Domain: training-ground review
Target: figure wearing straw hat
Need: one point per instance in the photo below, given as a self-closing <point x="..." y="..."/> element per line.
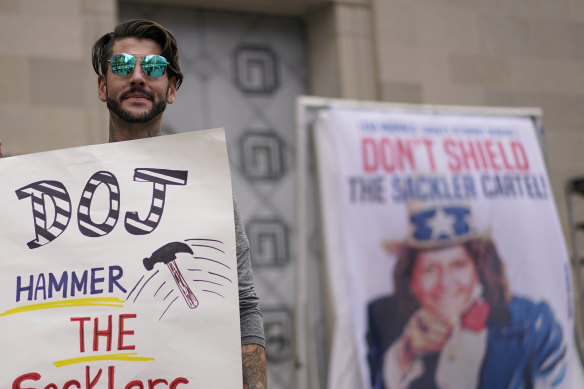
<point x="452" y="322"/>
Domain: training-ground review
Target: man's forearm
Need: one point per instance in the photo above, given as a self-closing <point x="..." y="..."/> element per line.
<point x="254" y="367"/>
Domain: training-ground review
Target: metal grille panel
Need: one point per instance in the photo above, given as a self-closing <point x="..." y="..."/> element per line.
<point x="243" y="72"/>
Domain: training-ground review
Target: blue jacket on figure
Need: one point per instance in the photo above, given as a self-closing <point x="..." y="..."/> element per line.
<point x="523" y="348"/>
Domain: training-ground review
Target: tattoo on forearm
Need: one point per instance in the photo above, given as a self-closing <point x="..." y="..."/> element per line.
<point x="254" y="367"/>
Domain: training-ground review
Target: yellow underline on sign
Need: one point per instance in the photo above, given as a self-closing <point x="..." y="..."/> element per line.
<point x="85" y="302"/>
<point x="131" y="357"/>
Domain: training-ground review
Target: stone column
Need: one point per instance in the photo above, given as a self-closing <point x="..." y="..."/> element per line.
<point x="48" y="91"/>
<point x="341" y="50"/>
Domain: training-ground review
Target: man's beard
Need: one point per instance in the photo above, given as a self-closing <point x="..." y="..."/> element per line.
<point x="115" y="107"/>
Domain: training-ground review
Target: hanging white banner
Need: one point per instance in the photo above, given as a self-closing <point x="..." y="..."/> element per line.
<point x="119" y="267"/>
<point x="452" y="271"/>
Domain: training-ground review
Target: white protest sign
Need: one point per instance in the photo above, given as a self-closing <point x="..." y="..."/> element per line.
<point x="118" y="267"/>
<point x="452" y="264"/>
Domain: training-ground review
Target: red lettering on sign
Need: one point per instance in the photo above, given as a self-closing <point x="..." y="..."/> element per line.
<point x="122" y="332"/>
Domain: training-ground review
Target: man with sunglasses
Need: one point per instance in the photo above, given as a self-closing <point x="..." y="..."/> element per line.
<point x="138" y="74"/>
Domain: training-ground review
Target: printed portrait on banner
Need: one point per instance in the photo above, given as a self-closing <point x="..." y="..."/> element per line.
<point x="452" y="321"/>
<point x="456" y="270"/>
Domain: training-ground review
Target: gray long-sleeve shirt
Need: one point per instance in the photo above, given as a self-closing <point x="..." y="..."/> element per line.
<point x="251" y="324"/>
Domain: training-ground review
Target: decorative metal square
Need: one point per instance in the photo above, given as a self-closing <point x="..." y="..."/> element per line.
<point x="278" y="332"/>
<point x="262" y="156"/>
<point x="268" y="242"/>
<point x="256" y="69"/>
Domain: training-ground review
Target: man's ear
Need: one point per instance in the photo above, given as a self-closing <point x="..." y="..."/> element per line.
<point x="102" y="88"/>
<point x="171" y="93"/>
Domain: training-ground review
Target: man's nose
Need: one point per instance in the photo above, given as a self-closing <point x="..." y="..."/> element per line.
<point x="137" y="77"/>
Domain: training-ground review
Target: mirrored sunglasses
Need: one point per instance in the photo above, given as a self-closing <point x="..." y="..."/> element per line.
<point x="122" y="64"/>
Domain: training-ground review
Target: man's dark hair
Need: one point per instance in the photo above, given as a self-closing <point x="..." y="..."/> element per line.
<point x="140" y="29"/>
<point x="490" y="269"/>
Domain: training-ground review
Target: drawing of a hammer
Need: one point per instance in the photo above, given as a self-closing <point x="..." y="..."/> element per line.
<point x="167" y="254"/>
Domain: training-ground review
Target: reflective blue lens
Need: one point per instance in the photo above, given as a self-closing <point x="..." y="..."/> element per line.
<point x="123" y="64"/>
<point x="154" y="65"/>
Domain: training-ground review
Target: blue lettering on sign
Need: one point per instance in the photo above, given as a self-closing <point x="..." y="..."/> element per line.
<point x="69" y="284"/>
